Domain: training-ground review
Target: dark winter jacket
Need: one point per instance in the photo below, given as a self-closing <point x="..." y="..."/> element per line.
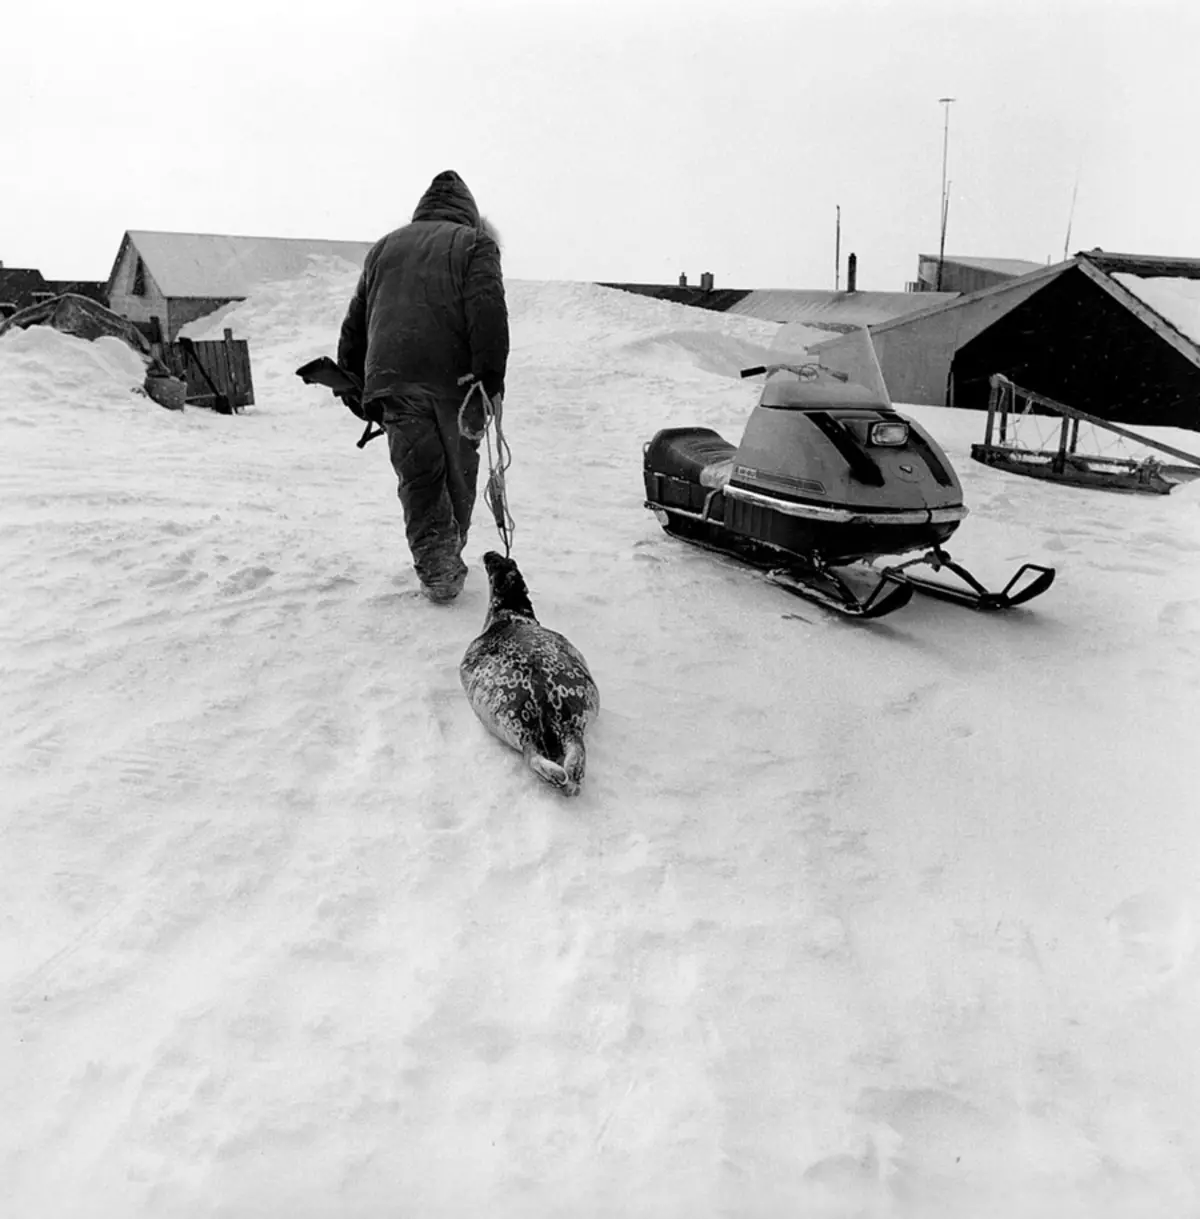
<point x="429" y="306"/>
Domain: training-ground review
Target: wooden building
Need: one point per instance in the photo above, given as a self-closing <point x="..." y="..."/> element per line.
<point x="966" y="274"/>
<point x="178" y="277"/>
<point x="1117" y="335"/>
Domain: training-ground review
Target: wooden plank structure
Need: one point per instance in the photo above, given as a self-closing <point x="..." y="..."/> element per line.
<point x="217" y="371"/>
<point x="1065" y="463"/>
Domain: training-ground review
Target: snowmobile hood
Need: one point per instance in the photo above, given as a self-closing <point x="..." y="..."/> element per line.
<point x="824" y="434"/>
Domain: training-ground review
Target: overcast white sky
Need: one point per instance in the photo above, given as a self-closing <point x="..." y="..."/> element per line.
<point x="605" y="139"/>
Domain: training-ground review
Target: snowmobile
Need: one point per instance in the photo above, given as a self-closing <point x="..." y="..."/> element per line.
<point x="832" y="494"/>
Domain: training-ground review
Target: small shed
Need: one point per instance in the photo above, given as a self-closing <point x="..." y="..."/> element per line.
<point x="964" y="273"/>
<point x="178" y="277"/>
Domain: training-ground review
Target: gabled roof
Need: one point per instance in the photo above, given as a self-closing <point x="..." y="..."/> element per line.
<point x="1147" y="265"/>
<point x="1003" y="266"/>
<point x="835" y="309"/>
<point x="1168" y="318"/>
<point x="215" y="265"/>
<point x="1155" y="315"/>
<point x="1020" y="284"/>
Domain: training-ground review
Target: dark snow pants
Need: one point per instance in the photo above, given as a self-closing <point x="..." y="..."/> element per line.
<point x="437" y="470"/>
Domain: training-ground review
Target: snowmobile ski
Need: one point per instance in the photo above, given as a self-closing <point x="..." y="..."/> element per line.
<point x="819" y="584"/>
<point x="971" y="592"/>
<point x="826" y="589"/>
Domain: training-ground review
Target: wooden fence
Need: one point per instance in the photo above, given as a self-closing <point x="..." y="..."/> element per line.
<point x="217" y="372"/>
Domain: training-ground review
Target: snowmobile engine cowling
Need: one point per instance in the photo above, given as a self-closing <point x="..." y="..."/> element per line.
<point x="826" y="456"/>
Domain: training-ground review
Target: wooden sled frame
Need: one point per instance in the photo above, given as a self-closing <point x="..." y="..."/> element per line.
<point x="1065" y="464"/>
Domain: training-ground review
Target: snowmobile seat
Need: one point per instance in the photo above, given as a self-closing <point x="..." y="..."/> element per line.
<point x="693" y="454"/>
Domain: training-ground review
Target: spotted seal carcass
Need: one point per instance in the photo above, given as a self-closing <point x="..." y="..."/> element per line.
<point x="529" y="685"/>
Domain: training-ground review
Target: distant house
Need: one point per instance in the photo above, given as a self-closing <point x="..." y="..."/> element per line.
<point x="1117" y="335"/>
<point x="24" y="286"/>
<point x="20" y="287"/>
<point x="965" y="274"/>
<point x="178" y="277"/>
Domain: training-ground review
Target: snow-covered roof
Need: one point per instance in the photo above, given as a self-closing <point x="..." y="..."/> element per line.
<point x="216" y="265"/>
<point x="1174" y="299"/>
<point x="836" y="309"/>
<point x="1150" y="265"/>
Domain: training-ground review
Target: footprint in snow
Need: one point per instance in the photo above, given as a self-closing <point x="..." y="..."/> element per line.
<point x="246" y="580"/>
<point x="1154" y="933"/>
<point x="1182" y="616"/>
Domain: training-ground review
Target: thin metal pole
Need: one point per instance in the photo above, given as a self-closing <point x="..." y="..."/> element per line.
<point x="837" y="252"/>
<point x="944" y="101"/>
<point x="1071" y="219"/>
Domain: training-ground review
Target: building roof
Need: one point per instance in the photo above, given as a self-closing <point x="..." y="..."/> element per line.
<point x="1003" y="266"/>
<point x="214" y="265"/>
<point x="1147" y="265"/>
<point x="18" y="284"/>
<point x="719" y="300"/>
<point x="835" y="310"/>
<point x="937" y="302"/>
<point x="1171" y="310"/>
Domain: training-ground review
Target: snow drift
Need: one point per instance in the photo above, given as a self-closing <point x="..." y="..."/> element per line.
<point x="849" y="920"/>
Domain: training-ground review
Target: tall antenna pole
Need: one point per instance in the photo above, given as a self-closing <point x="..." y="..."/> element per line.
<point x="944" y="101"/>
<point x="1070" y="219"/>
<point x="837" y="252"/>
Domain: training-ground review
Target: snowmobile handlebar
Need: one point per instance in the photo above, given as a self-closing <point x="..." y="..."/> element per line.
<point x="806" y="372"/>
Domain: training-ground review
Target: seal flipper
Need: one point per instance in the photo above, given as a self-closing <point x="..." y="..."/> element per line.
<point x="549" y="771"/>
<point x="574" y="760"/>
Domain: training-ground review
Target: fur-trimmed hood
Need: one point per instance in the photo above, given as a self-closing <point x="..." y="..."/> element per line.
<point x="449" y="198"/>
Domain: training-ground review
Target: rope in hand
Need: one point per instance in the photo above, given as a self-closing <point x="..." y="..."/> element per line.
<point x="495" y="494"/>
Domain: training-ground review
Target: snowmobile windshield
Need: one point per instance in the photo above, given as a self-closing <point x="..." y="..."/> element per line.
<point x="833" y="371"/>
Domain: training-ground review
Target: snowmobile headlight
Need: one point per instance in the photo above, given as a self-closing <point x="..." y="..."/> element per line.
<point x="892" y="434"/>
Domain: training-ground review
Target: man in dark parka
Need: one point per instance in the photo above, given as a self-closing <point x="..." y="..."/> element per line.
<point x="429" y="309"/>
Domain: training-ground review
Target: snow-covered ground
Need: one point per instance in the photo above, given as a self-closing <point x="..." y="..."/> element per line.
<point x="893" y="919"/>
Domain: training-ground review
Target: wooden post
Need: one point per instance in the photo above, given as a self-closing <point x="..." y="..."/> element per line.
<point x="1074" y="435"/>
<point x="1005" y="394"/>
<point x="232" y="364"/>
<point x="1059" y="464"/>
<point x="993" y="398"/>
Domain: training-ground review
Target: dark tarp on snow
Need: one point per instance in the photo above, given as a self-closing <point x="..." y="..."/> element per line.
<point x="80" y="316"/>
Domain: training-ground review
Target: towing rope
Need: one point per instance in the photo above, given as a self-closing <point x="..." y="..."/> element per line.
<point x="495" y="494"/>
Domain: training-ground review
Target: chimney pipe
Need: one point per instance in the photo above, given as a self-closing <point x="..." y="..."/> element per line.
<point x="706" y="281"/>
<point x="852" y="273"/>
<point x="683" y="279"/>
